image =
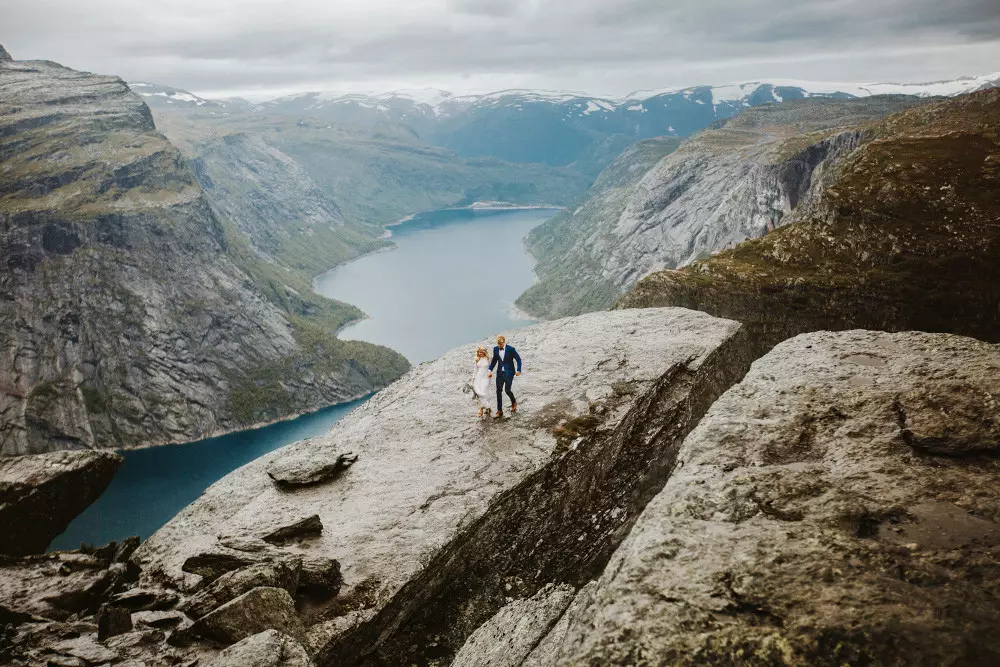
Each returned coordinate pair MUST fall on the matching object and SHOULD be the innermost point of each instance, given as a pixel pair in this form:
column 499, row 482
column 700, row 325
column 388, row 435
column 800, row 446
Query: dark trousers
column 503, row 384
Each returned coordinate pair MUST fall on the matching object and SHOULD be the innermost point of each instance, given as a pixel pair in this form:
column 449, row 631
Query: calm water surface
column 152, row 485
column 452, row 279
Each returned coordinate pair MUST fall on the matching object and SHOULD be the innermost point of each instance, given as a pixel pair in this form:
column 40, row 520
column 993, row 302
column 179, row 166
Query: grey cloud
column 553, row 43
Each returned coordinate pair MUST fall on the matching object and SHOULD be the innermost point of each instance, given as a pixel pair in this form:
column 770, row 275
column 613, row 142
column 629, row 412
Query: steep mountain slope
column 124, row 322
column 905, row 236
column 721, row 187
column 376, row 175
column 566, row 128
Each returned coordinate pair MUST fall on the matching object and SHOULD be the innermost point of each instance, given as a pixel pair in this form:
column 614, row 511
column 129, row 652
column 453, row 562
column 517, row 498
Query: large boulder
column 41, row 494
column 839, row 506
column 280, row 573
column 444, row 516
column 255, row 611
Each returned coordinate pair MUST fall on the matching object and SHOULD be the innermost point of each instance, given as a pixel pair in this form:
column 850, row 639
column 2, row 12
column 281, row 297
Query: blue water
column 452, row 279
column 152, row 485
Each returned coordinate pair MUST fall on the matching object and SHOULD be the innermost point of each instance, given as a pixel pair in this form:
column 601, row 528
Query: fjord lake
column 451, row 278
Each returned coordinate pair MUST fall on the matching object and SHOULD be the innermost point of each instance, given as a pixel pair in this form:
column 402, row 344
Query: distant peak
column 4, row 56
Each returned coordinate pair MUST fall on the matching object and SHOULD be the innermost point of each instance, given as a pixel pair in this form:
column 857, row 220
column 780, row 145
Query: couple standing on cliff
column 504, row 358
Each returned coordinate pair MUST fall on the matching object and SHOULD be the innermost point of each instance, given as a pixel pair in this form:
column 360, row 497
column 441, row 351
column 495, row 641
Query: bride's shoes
column 481, row 412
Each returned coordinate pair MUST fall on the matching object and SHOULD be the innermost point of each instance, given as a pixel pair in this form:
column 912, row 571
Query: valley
column 757, row 421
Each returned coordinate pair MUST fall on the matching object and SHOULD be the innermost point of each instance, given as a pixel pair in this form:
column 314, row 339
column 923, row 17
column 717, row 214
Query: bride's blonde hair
column 481, row 351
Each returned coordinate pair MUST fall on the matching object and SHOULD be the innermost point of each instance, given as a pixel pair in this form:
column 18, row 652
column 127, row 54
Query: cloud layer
column 613, row 46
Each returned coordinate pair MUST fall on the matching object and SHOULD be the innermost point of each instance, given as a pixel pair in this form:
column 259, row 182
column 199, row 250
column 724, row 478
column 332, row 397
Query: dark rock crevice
column 559, row 525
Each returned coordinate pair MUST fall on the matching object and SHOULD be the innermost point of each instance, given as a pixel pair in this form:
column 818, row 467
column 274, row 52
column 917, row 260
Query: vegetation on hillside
column 905, row 237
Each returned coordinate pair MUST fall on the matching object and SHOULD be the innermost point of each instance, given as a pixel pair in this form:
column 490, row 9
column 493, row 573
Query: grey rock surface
column 310, row 526
column 280, row 573
column 266, row 649
column 653, row 209
column 146, row 599
column 839, row 506
column 297, row 472
column 113, row 621
column 124, row 320
column 318, row 573
column 445, row 516
column 40, row 495
column 506, row 639
column 58, row 585
column 255, row 611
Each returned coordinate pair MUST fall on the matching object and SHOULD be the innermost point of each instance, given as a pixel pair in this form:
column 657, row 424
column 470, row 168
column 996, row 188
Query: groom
column 505, row 355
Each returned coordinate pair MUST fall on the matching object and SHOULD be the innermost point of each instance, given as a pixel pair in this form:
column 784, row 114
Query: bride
column 481, row 381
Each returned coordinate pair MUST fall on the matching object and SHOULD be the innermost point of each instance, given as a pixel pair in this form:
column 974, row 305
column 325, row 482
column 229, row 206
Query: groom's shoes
column 498, row 415
column 513, row 408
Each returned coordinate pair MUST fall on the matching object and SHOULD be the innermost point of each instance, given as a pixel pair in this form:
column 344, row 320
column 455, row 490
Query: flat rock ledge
column 444, row 518
column 41, row 494
column 839, row 506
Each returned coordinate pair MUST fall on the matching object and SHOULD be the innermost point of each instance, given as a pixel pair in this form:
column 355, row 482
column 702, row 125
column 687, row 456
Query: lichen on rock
column 802, row 526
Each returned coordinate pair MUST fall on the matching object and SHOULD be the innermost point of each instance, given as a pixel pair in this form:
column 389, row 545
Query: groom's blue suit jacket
column 507, row 364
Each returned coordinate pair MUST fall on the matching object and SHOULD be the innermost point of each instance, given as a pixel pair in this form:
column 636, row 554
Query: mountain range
column 570, row 129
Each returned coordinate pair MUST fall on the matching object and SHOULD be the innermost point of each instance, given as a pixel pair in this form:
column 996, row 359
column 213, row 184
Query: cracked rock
column 856, row 543
column 280, row 573
column 255, row 611
column 442, row 511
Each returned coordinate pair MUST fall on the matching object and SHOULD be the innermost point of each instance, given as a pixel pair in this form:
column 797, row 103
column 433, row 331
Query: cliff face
column 721, row 187
column 41, row 494
column 904, row 237
column 442, row 516
column 838, row 506
column 124, row 323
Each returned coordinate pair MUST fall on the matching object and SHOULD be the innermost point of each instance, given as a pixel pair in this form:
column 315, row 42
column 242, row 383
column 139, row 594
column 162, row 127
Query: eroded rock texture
column 41, row 494
column 123, row 322
column 445, row 517
column 838, row 506
column 903, row 238
column 653, row 209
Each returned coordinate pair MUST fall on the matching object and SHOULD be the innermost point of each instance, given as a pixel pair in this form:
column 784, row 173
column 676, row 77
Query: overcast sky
column 271, row 47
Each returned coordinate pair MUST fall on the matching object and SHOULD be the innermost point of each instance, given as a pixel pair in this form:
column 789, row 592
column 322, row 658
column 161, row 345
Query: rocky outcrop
column 257, row 610
column 654, row 209
column 4, row 56
column 838, row 506
column 444, row 517
column 41, row 494
column 904, row 237
column 124, row 321
column 512, row 634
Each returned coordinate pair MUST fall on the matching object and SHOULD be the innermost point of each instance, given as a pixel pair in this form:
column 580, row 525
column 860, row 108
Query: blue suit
column 505, row 372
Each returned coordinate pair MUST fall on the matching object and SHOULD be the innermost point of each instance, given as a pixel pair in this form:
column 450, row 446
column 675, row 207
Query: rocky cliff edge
column 435, row 517
column 838, row 506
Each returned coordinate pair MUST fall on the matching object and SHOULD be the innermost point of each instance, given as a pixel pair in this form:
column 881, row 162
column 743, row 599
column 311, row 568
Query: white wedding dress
column 481, row 381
